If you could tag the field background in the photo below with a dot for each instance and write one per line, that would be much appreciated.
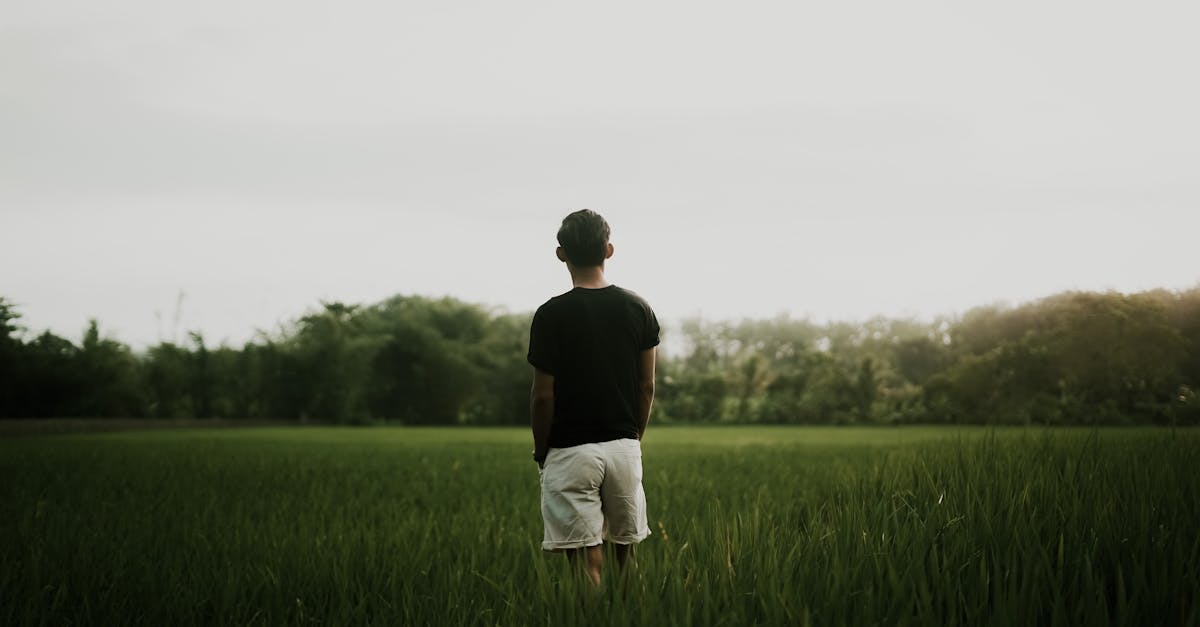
(752, 525)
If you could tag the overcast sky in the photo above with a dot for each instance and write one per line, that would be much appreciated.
(832, 160)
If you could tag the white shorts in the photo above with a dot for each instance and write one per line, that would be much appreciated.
(592, 493)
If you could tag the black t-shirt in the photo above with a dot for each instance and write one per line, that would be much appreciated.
(590, 340)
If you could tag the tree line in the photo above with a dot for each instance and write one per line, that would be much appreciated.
(1072, 358)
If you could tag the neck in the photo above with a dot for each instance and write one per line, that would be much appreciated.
(590, 277)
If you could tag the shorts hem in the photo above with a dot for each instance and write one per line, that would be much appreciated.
(570, 544)
(579, 544)
(634, 539)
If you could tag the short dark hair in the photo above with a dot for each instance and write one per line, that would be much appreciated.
(584, 238)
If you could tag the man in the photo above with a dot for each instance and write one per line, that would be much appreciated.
(593, 352)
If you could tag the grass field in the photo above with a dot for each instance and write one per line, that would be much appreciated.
(756, 525)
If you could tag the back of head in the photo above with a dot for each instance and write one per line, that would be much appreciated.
(584, 238)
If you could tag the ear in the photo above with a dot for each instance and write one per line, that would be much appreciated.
(561, 254)
(608, 253)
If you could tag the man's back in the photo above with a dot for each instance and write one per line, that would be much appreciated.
(591, 341)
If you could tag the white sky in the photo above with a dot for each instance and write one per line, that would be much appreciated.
(836, 159)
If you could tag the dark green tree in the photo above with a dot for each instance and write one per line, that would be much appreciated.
(110, 381)
(11, 354)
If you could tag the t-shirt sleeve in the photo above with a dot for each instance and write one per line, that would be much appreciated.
(543, 345)
(651, 337)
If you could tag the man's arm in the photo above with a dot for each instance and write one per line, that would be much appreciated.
(645, 387)
(541, 412)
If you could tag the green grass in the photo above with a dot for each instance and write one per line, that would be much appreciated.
(756, 525)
